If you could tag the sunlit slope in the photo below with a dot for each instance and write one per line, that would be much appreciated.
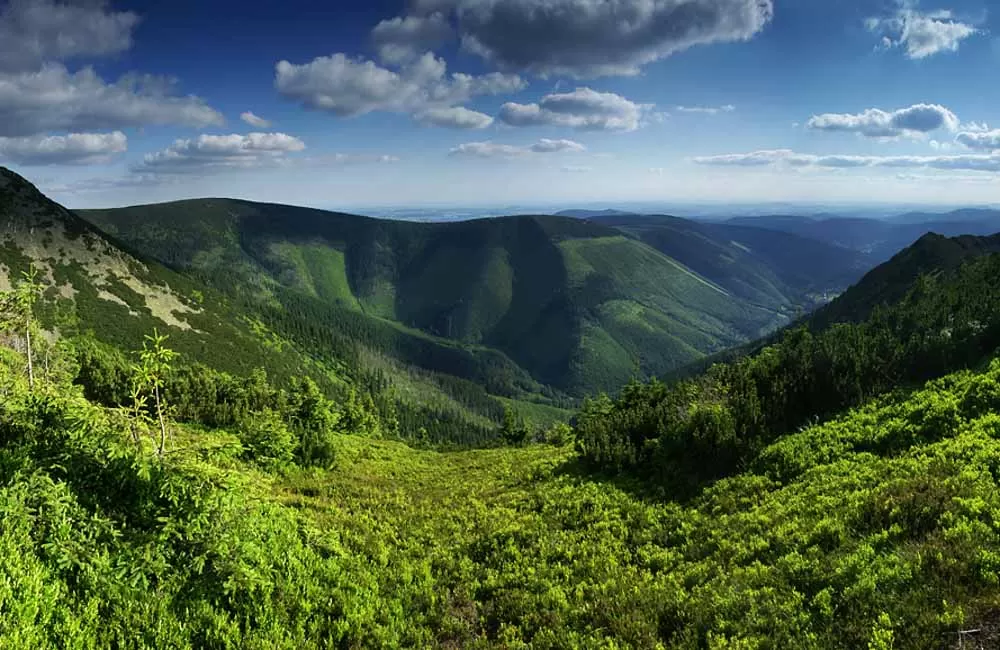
(575, 304)
(94, 286)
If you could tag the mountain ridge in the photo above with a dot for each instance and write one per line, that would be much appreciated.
(561, 296)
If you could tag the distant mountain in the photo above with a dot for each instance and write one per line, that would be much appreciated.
(590, 214)
(779, 270)
(880, 238)
(964, 215)
(580, 306)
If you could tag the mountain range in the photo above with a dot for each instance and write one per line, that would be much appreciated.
(453, 321)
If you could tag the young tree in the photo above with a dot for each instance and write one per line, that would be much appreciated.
(149, 376)
(17, 309)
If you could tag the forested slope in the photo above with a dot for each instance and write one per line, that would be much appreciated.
(566, 300)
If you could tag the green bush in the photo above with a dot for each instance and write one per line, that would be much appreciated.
(266, 439)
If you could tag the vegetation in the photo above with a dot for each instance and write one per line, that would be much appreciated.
(878, 525)
(539, 300)
(835, 489)
(703, 428)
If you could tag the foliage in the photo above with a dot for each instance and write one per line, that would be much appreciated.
(699, 429)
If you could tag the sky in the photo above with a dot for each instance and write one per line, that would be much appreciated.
(415, 103)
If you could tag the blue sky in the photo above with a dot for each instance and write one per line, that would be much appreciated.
(477, 102)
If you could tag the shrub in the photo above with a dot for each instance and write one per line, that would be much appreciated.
(266, 439)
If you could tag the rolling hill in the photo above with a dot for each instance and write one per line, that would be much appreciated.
(581, 306)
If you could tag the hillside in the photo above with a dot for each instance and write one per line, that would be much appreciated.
(777, 269)
(577, 305)
(932, 254)
(876, 527)
(96, 288)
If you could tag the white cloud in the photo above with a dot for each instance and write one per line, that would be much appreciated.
(921, 34)
(583, 109)
(546, 145)
(255, 121)
(980, 140)
(706, 110)
(786, 157)
(576, 169)
(456, 117)
(74, 148)
(494, 150)
(592, 38)
(33, 32)
(403, 38)
(53, 99)
(348, 87)
(221, 152)
(913, 121)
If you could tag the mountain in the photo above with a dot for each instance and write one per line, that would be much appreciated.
(932, 254)
(580, 306)
(590, 214)
(96, 286)
(880, 238)
(104, 289)
(779, 270)
(963, 215)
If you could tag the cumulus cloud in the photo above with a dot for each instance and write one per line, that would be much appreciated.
(53, 99)
(255, 121)
(914, 121)
(786, 157)
(583, 109)
(221, 152)
(33, 32)
(706, 110)
(404, 38)
(74, 148)
(455, 117)
(495, 150)
(921, 34)
(980, 140)
(593, 38)
(348, 87)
